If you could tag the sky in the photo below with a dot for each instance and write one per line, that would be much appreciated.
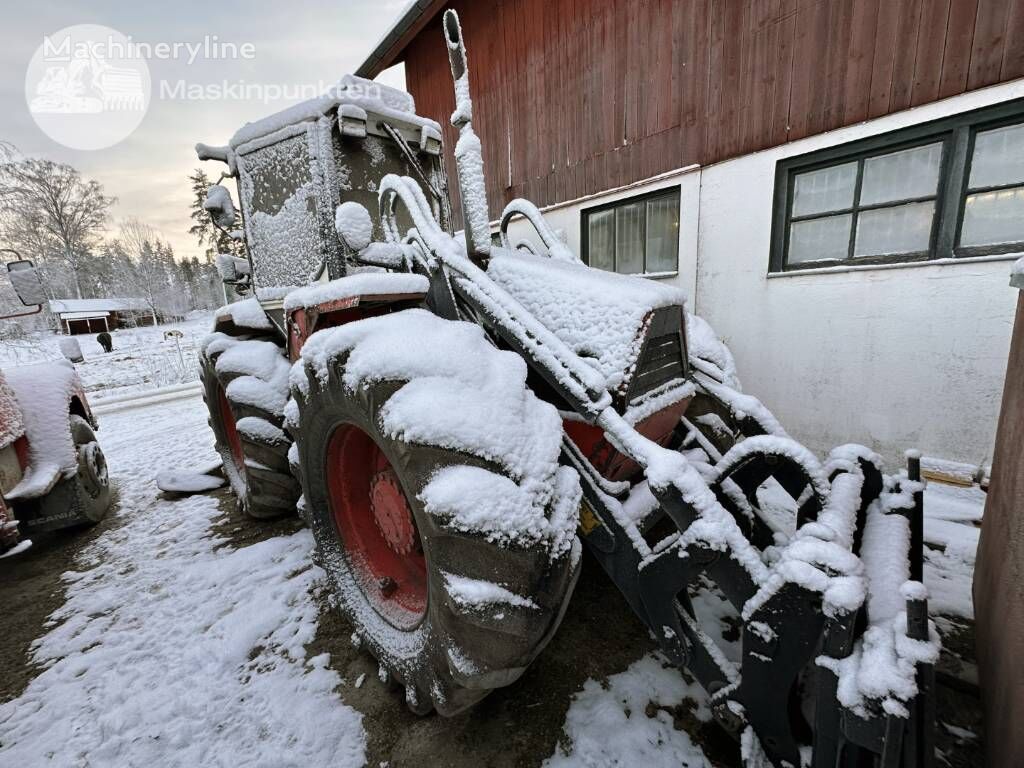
(291, 45)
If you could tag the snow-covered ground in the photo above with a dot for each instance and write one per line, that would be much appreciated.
(142, 358)
(176, 647)
(173, 648)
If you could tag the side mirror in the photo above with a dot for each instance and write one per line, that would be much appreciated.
(26, 282)
(218, 203)
(232, 269)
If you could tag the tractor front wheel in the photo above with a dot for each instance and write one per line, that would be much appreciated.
(449, 613)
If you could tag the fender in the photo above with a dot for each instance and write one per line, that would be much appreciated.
(304, 321)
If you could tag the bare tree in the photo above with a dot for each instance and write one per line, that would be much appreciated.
(138, 238)
(51, 211)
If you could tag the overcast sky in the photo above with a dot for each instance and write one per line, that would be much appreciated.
(293, 43)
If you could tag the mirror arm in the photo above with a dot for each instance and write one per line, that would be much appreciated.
(36, 311)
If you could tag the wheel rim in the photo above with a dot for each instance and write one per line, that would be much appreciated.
(376, 528)
(227, 418)
(92, 468)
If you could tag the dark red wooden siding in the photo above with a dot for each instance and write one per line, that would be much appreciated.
(573, 97)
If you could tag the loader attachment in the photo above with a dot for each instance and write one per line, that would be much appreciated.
(821, 562)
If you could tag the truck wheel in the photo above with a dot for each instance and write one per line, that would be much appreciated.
(92, 485)
(449, 613)
(249, 438)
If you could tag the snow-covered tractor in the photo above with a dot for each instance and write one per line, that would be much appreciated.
(53, 474)
(454, 416)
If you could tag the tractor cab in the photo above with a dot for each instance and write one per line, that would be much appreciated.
(294, 168)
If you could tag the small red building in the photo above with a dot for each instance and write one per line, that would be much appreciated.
(95, 315)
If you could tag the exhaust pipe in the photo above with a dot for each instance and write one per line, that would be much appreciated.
(469, 162)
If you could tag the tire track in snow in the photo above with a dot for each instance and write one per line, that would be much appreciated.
(174, 648)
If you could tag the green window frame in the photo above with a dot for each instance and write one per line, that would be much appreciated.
(637, 235)
(906, 195)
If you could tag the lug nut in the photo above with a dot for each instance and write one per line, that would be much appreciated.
(387, 586)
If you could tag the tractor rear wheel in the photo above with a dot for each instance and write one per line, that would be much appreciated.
(247, 432)
(449, 613)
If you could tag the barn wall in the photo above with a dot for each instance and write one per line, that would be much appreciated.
(891, 358)
(574, 97)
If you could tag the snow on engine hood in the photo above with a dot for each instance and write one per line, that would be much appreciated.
(44, 393)
(598, 314)
(11, 425)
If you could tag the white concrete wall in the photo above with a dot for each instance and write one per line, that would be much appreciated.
(892, 358)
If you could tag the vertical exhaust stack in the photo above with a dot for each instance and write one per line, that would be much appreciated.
(469, 162)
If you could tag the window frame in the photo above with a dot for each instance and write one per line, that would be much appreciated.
(956, 133)
(644, 197)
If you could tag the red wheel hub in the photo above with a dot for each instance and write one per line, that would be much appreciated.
(376, 527)
(227, 418)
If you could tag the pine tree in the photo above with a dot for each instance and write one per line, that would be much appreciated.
(206, 234)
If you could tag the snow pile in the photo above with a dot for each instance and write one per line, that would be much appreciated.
(629, 720)
(11, 425)
(263, 382)
(469, 162)
(70, 348)
(883, 665)
(1017, 273)
(246, 313)
(219, 205)
(260, 430)
(187, 482)
(741, 405)
(353, 286)
(353, 224)
(463, 395)
(704, 346)
(175, 648)
(44, 394)
(475, 593)
(599, 315)
(951, 530)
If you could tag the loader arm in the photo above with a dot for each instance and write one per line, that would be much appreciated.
(810, 600)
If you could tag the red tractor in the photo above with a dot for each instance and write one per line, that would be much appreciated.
(455, 417)
(52, 470)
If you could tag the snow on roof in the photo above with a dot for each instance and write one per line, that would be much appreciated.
(377, 60)
(95, 307)
(381, 100)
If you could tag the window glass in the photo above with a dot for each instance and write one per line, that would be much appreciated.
(899, 229)
(662, 234)
(828, 189)
(993, 217)
(944, 189)
(820, 239)
(601, 240)
(901, 175)
(629, 238)
(998, 157)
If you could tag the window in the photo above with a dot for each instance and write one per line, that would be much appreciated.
(949, 188)
(638, 236)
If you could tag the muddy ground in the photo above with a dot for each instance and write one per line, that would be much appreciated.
(516, 726)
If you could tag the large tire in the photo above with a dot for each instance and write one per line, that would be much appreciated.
(80, 500)
(448, 654)
(248, 435)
